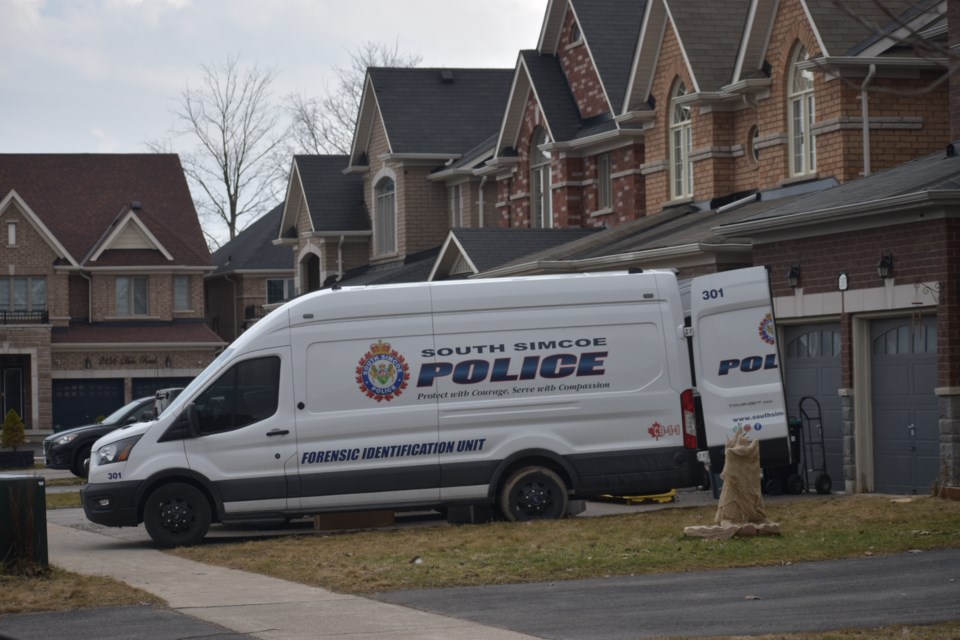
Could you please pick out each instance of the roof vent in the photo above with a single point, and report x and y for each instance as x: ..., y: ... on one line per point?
x: 951, y: 150
x: 135, y: 205
x: 446, y: 76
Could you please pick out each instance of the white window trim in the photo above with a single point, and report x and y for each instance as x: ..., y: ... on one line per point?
x: 383, y: 246
x: 604, y: 182
x: 681, y: 168
x: 11, y: 234
x: 803, y: 100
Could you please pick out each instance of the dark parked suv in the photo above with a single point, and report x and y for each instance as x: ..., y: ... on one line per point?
x: 69, y: 449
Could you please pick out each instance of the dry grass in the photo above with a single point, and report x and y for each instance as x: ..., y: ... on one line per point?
x: 501, y: 553
x: 59, y: 590
x: 63, y: 500
x: 946, y: 631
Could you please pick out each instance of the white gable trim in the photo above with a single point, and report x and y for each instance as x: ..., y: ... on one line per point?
x: 551, y: 29
x: 683, y: 50
x: 448, y: 256
x: 813, y: 27
x: 291, y: 207
x: 131, y: 218
x: 646, y: 56
x: 513, y: 115
x: 369, y: 111
x: 593, y: 61
x: 37, y: 223
x: 903, y: 32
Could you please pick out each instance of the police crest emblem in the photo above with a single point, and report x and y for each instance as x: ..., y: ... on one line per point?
x: 382, y: 373
x: 766, y: 330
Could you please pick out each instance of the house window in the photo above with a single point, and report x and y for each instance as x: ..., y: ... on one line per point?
x: 181, y: 293
x: 131, y: 296
x: 11, y: 234
x: 753, y: 153
x: 604, y: 183
x: 681, y: 144
x: 803, y: 146
x: 279, y: 290
x: 385, y: 225
x: 575, y: 34
x: 456, y: 206
x: 23, y: 294
x: 541, y: 205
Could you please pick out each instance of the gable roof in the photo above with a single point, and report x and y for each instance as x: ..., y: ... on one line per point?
x: 553, y: 94
x: 79, y: 197
x: 710, y: 35
x: 334, y: 199
x: 610, y: 31
x: 253, y: 249
x: 839, y: 32
x: 487, y: 248
x: 438, y: 111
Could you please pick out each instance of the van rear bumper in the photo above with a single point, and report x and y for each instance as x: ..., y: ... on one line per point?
x: 111, y: 504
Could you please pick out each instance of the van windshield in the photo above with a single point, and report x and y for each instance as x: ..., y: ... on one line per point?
x: 199, y: 381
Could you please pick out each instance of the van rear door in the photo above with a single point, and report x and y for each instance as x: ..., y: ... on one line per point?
x: 737, y: 363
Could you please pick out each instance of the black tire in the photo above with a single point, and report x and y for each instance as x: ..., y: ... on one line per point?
x: 533, y: 493
x: 176, y: 515
x: 773, y: 487
x: 823, y: 484
x: 795, y: 484
x: 78, y: 468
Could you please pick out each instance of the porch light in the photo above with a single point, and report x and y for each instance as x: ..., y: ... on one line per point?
x: 885, y: 266
x: 793, y: 276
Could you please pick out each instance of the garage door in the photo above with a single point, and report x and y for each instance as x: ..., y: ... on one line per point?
x: 812, y: 368
x: 79, y: 402
x: 906, y: 430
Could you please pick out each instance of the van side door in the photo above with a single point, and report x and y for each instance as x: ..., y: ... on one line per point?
x: 366, y: 434
x: 737, y: 363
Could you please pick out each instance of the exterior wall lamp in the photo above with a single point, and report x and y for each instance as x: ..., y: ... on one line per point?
x: 793, y: 276
x: 885, y: 266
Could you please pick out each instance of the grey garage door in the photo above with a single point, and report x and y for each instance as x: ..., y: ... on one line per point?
x: 812, y: 368
x: 906, y: 454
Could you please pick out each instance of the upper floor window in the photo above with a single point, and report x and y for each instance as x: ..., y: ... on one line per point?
x: 131, y: 296
x: 11, y: 234
x: 385, y: 224
x: 456, y: 206
x: 279, y: 290
x: 802, y: 112
x: 181, y: 293
x: 681, y: 145
x: 604, y: 183
x: 23, y: 294
x: 541, y: 197
x: 575, y: 34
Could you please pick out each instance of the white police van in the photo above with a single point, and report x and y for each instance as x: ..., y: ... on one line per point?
x: 521, y: 393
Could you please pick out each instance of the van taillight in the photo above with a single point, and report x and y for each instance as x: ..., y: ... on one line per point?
x: 688, y: 409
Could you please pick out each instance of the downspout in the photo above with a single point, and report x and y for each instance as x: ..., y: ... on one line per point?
x: 865, y: 116
x: 236, y: 316
x: 483, y: 182
x: 340, y: 258
x: 89, y: 297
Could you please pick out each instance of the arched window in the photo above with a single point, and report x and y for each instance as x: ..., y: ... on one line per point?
x: 385, y: 223
x: 803, y: 111
x: 541, y: 205
x: 681, y: 144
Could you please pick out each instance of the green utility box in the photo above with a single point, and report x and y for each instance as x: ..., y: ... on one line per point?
x: 23, y: 520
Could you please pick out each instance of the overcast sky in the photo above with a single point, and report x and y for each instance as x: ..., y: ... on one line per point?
x: 102, y: 76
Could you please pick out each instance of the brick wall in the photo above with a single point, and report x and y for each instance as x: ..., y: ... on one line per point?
x: 581, y: 75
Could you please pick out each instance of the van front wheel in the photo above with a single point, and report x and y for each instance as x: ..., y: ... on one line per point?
x: 177, y: 515
x: 533, y: 493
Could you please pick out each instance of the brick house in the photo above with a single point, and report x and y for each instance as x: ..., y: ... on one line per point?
x: 101, y: 298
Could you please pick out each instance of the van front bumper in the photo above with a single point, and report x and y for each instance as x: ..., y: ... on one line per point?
x: 111, y: 504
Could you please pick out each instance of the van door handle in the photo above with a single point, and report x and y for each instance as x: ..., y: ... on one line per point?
x: 278, y: 432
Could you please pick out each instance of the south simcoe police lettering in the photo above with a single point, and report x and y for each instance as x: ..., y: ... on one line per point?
x: 392, y: 451
x: 510, y: 369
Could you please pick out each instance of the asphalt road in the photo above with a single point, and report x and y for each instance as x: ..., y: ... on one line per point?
x: 875, y: 591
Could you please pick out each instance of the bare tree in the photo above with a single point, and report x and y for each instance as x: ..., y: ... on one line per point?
x: 325, y: 124
x: 237, y: 130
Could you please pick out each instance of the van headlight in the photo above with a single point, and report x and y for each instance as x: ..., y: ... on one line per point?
x: 117, y: 451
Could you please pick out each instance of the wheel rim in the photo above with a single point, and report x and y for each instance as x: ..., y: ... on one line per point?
x: 534, y: 498
x: 177, y: 516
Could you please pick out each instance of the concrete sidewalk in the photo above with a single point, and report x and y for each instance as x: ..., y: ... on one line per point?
x: 247, y: 603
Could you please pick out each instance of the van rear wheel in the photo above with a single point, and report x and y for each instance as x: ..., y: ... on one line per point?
x: 177, y: 515
x: 533, y: 493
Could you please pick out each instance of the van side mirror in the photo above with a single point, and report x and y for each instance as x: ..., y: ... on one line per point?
x: 192, y: 420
